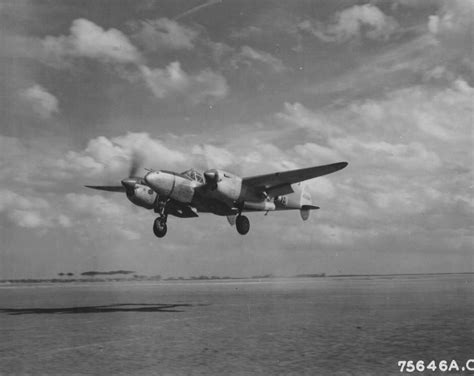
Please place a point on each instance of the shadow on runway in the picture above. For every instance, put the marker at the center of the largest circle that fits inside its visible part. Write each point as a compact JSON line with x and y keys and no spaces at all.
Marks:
{"x":147,"y":307}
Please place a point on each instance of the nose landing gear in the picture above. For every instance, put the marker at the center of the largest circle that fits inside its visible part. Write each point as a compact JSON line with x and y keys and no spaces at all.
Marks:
{"x":242,"y":223}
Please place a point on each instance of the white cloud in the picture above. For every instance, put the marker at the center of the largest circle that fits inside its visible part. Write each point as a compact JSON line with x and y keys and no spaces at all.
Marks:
{"x":28,"y":219}
{"x":314,"y":152}
{"x":103,"y":160}
{"x":214,"y":157}
{"x":358,"y":21}
{"x":454,"y":20}
{"x":415,"y":3}
{"x":64,"y":221}
{"x":438,"y":52}
{"x":156,"y":152}
{"x":203,"y":86}
{"x":165,"y":33}
{"x":405,"y":156}
{"x":443,"y":114}
{"x":9,"y":199}
{"x":247,"y":32}
{"x":88,"y":40}
{"x":197,"y":8}
{"x":41,"y":101}
{"x":300,"y":116}
{"x":321,"y":189}
{"x":451,"y":27}
{"x":95,"y":205}
{"x":409,"y":156}
{"x":116,"y":218}
{"x":30,"y":212}
{"x":407,"y":114}
{"x":111,"y":157}
{"x":248,"y":55}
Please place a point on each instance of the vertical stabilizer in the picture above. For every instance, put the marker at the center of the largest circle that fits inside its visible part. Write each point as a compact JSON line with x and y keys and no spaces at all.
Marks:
{"x":306,"y":203}
{"x":304,"y":214}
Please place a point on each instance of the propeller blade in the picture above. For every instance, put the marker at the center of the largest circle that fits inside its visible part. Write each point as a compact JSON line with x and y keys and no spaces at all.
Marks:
{"x":128,"y":184}
{"x":200,"y":157}
{"x":108,"y":188}
{"x":136,"y":161}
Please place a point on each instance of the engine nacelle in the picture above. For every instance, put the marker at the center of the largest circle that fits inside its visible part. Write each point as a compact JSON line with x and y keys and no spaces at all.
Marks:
{"x":171,"y":185}
{"x":294,"y":200}
{"x":228,"y":187}
{"x":143,"y":196}
{"x":299,"y":199}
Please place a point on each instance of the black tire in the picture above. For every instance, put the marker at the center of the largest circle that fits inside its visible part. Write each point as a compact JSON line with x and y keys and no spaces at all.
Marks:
{"x":159,"y":228}
{"x":243,"y":225}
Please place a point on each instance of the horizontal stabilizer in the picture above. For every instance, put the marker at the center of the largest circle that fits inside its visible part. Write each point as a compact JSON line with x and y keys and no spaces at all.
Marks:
{"x":309,"y":207}
{"x":108,"y":188}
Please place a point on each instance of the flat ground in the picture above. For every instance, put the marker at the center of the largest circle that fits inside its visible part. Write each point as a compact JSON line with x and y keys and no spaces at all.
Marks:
{"x":321,"y":326}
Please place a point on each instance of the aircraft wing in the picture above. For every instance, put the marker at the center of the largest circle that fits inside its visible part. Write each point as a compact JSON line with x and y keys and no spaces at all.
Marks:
{"x":285,"y":178}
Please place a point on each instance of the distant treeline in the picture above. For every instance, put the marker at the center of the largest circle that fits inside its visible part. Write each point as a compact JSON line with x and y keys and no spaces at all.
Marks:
{"x":201,"y":277}
{"x":119,"y":276}
{"x":113,"y":272}
{"x":66,"y":280}
{"x":137,"y":277}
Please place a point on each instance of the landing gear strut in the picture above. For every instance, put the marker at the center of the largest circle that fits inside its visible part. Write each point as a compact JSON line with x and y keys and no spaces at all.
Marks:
{"x":242,"y":223}
{"x":159,"y":226}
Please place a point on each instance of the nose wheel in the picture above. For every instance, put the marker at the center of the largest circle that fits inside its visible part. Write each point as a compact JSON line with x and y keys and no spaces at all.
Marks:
{"x":242,"y":223}
{"x":159,"y":227}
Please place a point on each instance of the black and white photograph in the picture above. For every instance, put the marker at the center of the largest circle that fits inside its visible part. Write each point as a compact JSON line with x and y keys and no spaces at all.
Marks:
{"x":236,"y":187}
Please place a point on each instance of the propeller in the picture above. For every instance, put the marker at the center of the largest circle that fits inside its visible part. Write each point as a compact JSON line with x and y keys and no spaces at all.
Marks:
{"x":128,"y":184}
{"x":211,"y":176}
{"x":201,"y":158}
{"x":137,"y":160}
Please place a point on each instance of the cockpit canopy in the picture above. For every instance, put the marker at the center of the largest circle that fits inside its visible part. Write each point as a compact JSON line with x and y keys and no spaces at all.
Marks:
{"x":194,"y":175}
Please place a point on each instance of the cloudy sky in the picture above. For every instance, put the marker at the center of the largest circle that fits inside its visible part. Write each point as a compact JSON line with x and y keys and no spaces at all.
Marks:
{"x":251,"y":87}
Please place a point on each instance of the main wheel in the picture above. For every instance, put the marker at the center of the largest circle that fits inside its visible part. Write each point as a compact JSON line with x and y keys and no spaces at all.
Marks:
{"x":243,"y":225}
{"x":159,"y":227}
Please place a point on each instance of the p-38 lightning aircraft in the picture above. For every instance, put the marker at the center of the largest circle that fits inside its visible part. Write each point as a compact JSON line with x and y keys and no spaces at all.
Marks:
{"x":219,"y":192}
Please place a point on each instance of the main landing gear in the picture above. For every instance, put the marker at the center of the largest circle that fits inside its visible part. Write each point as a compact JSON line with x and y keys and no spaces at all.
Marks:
{"x":159,"y":226}
{"x":242,"y":223}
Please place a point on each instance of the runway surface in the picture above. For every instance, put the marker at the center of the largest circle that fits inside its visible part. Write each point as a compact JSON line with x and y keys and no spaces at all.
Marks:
{"x":319,"y":326}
